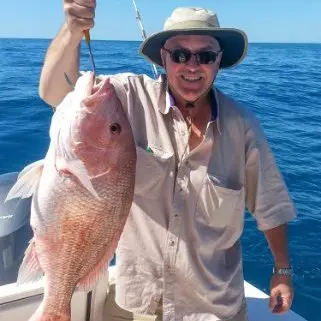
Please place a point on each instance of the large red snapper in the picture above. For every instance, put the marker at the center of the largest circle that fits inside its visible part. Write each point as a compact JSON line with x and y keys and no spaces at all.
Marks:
{"x":82,"y":193}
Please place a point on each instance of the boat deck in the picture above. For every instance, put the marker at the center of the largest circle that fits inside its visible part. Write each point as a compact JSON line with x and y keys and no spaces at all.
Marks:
{"x":18,"y":303}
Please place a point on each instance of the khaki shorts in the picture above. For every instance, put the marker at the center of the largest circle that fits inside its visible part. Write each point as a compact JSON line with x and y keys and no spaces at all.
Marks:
{"x":112,"y":312}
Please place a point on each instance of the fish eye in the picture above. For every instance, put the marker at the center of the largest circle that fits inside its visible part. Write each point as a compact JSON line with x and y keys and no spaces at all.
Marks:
{"x":115,"y":128}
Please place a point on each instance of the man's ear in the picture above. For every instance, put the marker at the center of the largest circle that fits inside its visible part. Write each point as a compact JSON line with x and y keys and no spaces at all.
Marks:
{"x":163,"y":56}
{"x":220,"y":56}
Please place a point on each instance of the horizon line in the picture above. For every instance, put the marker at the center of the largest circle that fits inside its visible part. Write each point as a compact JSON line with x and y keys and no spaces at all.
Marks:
{"x":122,"y":40}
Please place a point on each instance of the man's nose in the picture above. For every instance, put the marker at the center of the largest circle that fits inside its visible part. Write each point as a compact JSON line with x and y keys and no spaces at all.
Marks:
{"x":192,"y":62}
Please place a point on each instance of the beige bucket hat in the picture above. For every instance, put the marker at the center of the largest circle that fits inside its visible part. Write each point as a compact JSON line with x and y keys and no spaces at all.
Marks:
{"x":197,"y":21}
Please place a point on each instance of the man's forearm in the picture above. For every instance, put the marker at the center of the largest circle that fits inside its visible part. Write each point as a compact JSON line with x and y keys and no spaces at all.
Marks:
{"x":62,"y":57}
{"x":278,"y":242}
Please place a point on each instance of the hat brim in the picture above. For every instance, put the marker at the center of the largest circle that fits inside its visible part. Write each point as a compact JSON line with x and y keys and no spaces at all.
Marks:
{"x":233,"y":41}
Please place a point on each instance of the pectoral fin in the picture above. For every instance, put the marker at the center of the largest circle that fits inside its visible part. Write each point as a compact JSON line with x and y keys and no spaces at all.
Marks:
{"x":78,"y":169}
{"x":27,"y":181}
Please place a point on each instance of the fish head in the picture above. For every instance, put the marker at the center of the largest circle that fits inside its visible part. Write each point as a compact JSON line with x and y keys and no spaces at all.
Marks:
{"x":101,"y":133}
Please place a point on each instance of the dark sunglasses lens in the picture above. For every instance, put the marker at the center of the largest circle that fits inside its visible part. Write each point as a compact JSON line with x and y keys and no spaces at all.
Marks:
{"x":181,"y":56}
{"x":206,"y":57}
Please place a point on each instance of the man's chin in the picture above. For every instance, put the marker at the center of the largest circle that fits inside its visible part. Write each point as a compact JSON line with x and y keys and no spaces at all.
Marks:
{"x":192,"y":95}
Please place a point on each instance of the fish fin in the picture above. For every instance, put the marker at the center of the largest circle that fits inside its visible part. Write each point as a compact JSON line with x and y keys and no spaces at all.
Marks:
{"x":88,"y":283}
{"x":27,"y":181}
{"x":30,"y":270}
{"x":78,"y":169}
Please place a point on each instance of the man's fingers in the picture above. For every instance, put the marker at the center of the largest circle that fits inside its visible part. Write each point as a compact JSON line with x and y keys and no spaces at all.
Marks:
{"x":281,"y":295}
{"x":80,"y":24}
{"x":75,"y":10}
{"x":273,"y":300}
{"x":86,"y":3}
{"x":79,"y":14}
{"x":83,"y":3}
{"x":280,"y":305}
{"x":286,"y":304}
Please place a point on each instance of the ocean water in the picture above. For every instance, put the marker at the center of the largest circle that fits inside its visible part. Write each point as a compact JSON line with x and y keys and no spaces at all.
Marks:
{"x":281,"y":83}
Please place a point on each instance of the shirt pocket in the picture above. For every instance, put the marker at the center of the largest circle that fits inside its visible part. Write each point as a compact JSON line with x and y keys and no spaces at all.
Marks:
{"x":151,"y":171}
{"x":220,"y":212}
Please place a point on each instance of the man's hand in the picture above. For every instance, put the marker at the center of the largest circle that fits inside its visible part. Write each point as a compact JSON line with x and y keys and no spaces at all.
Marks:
{"x":281,"y":295}
{"x":79,"y":15}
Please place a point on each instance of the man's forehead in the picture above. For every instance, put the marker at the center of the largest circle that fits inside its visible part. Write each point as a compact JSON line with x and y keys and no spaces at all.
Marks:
{"x":201,"y":40}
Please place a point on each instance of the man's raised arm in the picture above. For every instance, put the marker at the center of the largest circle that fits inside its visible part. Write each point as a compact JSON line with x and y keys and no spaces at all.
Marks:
{"x":62,"y":57}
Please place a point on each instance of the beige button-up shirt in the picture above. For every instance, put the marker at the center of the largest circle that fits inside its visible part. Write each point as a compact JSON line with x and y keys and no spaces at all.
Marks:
{"x":181,"y":242}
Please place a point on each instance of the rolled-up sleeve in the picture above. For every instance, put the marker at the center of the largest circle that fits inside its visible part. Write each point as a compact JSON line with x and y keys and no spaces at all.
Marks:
{"x":267,"y":197}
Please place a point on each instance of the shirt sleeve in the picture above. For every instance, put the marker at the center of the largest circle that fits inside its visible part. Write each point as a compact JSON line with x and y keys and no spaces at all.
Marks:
{"x":267,"y":197}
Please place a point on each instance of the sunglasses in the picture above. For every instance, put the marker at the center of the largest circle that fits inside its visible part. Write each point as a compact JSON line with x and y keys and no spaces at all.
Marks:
{"x":182,"y":56}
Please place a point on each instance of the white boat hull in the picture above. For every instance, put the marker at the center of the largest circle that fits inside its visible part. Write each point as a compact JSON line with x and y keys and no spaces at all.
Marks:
{"x":19,"y":303}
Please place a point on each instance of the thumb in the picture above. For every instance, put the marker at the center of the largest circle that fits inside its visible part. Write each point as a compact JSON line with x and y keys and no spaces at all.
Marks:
{"x":273,"y":299}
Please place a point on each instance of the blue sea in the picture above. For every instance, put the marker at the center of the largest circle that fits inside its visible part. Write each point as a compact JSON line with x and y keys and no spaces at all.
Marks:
{"x":281,"y":83}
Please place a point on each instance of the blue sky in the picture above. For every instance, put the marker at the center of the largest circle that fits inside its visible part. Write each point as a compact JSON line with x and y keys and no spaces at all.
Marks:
{"x":263,"y":21}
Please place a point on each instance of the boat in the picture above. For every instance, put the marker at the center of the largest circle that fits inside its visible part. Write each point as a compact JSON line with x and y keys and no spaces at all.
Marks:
{"x":18,"y":303}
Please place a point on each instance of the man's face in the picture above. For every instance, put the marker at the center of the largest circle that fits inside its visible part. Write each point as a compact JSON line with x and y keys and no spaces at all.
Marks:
{"x":190,"y":79}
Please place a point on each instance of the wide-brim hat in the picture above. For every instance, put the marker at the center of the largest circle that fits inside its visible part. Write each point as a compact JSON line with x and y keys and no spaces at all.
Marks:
{"x":197,"y":21}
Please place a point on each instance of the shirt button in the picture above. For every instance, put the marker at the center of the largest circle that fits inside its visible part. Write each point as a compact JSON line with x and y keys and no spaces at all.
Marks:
{"x":172,"y":243}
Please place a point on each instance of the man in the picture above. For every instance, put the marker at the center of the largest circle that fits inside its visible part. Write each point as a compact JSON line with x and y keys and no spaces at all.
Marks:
{"x":202,"y":158}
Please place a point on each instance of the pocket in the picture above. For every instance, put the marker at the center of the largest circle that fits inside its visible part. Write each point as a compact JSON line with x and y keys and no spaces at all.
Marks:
{"x":220,"y":213}
{"x":151,"y":170}
{"x":219,"y":206}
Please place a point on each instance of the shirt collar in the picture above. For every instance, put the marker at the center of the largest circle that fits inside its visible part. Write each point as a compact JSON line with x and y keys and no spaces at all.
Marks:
{"x":170,"y":103}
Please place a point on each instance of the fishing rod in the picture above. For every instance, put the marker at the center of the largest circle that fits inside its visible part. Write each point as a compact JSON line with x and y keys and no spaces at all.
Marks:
{"x":143,"y":32}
